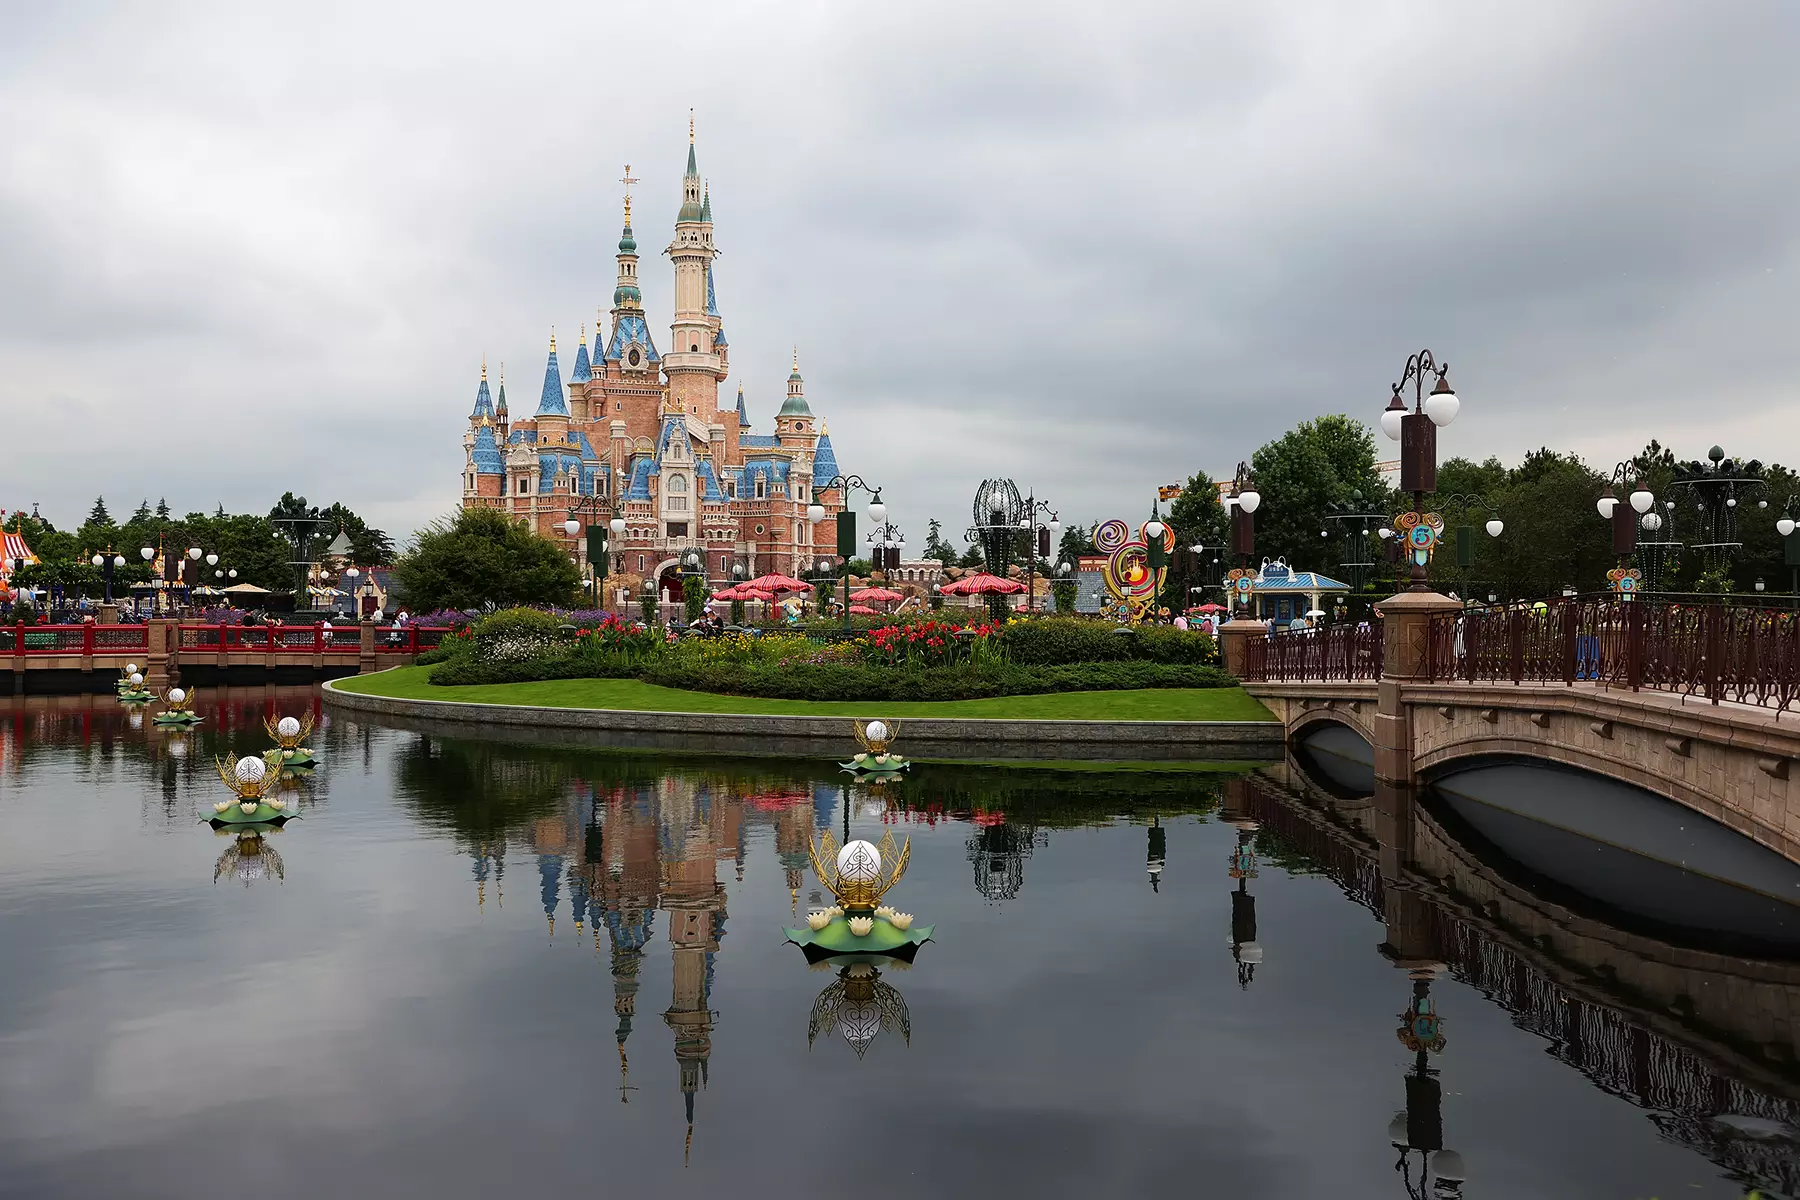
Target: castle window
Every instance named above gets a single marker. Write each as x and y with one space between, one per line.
640 564
677 483
759 529
677 504
800 492
762 490
618 406
731 489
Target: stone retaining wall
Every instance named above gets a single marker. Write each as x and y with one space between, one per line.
942 737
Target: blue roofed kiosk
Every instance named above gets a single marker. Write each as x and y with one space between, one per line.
1281 595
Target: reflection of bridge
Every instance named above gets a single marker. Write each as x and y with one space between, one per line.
1684 703
162 649
1641 1018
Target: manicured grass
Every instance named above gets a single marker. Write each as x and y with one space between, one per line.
1154 704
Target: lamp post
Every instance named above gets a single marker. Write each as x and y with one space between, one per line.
846 522
353 575
1355 522
582 512
1416 431
1624 515
108 562
1041 539
1790 547
1243 502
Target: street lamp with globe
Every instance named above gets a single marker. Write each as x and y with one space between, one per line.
1416 431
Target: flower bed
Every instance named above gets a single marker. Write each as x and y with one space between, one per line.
927 658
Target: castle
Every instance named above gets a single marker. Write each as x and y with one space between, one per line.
638 434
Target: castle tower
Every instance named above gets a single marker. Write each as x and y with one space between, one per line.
580 377
694 364
553 408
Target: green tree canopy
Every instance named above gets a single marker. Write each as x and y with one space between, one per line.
1300 475
1197 516
936 547
480 556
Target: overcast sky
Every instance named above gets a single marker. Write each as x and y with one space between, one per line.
245 248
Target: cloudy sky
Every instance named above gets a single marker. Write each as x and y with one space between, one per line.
245 248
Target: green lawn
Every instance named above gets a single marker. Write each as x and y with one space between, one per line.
1155 704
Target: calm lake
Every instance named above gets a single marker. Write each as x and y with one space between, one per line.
486 968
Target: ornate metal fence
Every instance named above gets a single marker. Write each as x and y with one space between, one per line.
1713 652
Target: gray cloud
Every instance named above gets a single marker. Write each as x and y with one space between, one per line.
251 249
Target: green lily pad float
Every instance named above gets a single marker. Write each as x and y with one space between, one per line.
291 759
836 938
136 697
863 764
176 718
264 815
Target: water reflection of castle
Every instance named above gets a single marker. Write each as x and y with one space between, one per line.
621 855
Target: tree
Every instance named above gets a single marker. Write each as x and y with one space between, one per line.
693 596
1197 516
971 557
162 509
1077 541
936 547
481 556
98 516
368 545
1300 475
142 515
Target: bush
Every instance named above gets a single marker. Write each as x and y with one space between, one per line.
1163 643
520 634
1050 641
461 672
861 681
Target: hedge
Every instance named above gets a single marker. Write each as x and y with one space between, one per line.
860 681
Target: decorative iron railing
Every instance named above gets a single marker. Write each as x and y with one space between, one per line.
1714 652
1331 652
73 639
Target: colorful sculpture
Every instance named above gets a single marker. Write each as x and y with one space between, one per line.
1132 584
1625 581
877 763
1421 533
178 709
858 875
288 733
251 782
134 692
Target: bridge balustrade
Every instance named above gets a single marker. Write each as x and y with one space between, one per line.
1329 652
1713 652
121 640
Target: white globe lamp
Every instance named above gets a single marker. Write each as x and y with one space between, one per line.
149 552
859 862
176 695
1785 526
288 727
1393 416
251 770
617 525
878 510
1442 405
1249 499
1495 527
571 527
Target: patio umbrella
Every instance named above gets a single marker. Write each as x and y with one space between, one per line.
862 610
981 584
778 585
245 589
875 595
1208 608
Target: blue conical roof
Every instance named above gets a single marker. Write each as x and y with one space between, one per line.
484 403
712 304
553 403
825 464
743 417
584 370
486 453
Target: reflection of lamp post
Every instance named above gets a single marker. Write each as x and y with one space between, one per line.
1158 853
1246 951
1419 1127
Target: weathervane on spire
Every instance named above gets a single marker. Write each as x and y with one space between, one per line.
629 179
484 367
690 126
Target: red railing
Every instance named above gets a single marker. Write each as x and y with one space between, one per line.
74 639
258 639
1342 652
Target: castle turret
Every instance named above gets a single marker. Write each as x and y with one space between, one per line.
693 365
553 409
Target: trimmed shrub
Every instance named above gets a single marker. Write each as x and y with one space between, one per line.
1050 641
461 672
1164 643
519 635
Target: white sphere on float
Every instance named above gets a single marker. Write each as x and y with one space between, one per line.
876 731
131 668
137 680
859 862
176 695
251 770
287 727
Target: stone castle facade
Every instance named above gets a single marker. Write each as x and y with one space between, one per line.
638 433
